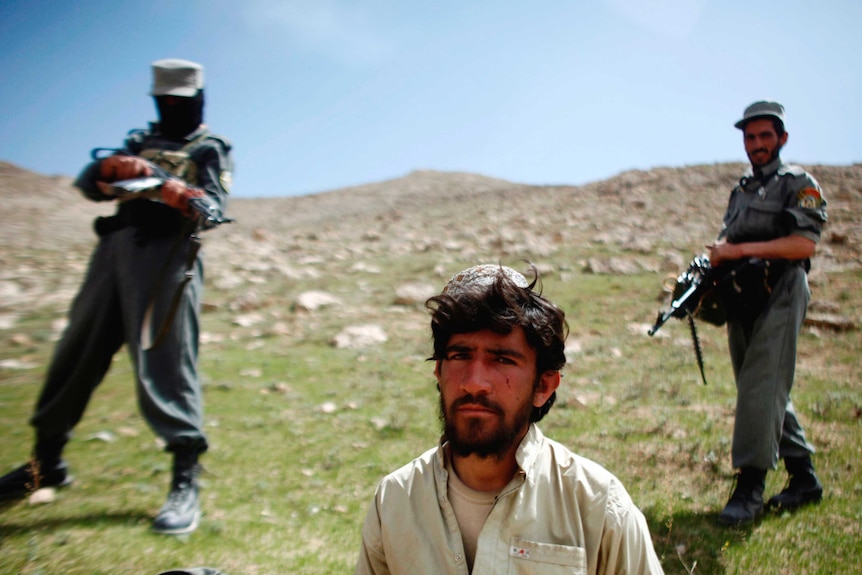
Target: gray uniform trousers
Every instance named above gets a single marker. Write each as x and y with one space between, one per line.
107 312
763 355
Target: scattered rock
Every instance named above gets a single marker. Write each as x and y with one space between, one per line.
314 300
21 340
43 496
328 407
16 364
414 293
248 320
830 321
105 436
612 266
360 336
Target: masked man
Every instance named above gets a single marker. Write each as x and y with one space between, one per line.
142 289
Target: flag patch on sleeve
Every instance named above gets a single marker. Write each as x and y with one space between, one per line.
809 198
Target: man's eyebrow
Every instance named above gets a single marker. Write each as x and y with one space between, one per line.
507 351
498 351
458 347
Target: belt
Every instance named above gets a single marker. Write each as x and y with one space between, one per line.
153 219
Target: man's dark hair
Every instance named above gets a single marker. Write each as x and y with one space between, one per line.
500 306
777 124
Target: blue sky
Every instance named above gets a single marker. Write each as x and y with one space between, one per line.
322 94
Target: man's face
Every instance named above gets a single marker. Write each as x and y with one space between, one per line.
178 115
488 387
762 143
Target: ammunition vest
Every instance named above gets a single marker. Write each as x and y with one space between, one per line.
177 162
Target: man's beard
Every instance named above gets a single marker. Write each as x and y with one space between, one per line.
478 436
772 156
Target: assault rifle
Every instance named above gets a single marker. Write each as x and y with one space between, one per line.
697 294
207 212
208 215
688 294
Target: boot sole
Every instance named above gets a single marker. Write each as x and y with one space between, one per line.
776 507
735 522
739 522
180 530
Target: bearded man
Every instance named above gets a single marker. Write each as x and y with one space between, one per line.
773 222
496 495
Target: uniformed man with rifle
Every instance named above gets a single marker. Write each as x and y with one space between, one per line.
142 289
754 278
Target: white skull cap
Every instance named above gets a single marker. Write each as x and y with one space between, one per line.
482 275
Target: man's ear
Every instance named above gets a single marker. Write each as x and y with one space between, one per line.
548 384
783 139
437 370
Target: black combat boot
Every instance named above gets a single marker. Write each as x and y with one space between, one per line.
181 512
46 468
802 488
746 502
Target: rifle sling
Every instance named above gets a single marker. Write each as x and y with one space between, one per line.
148 342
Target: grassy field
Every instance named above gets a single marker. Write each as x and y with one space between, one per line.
301 432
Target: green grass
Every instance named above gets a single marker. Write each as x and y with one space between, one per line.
288 483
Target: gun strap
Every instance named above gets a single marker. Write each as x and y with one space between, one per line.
697 351
147 340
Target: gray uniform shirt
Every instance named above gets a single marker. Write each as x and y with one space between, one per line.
208 154
778 201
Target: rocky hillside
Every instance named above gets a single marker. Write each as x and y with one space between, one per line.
634 222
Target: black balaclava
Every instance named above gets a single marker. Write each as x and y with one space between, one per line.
179 116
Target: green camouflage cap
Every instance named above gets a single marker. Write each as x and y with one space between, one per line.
174 77
761 109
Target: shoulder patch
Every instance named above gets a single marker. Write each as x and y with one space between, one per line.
226 180
809 198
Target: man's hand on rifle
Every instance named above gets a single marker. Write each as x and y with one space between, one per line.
721 251
121 167
177 195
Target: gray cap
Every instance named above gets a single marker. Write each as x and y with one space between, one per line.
483 275
177 78
761 109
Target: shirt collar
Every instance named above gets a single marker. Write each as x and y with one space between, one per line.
526 455
528 451
766 171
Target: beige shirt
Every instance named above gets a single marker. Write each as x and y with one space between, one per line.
560 514
471 510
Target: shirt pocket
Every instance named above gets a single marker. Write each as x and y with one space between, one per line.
759 221
534 558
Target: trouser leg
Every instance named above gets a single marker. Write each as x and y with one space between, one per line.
793 442
82 356
79 363
167 383
765 364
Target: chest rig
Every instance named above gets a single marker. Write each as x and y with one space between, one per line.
176 162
